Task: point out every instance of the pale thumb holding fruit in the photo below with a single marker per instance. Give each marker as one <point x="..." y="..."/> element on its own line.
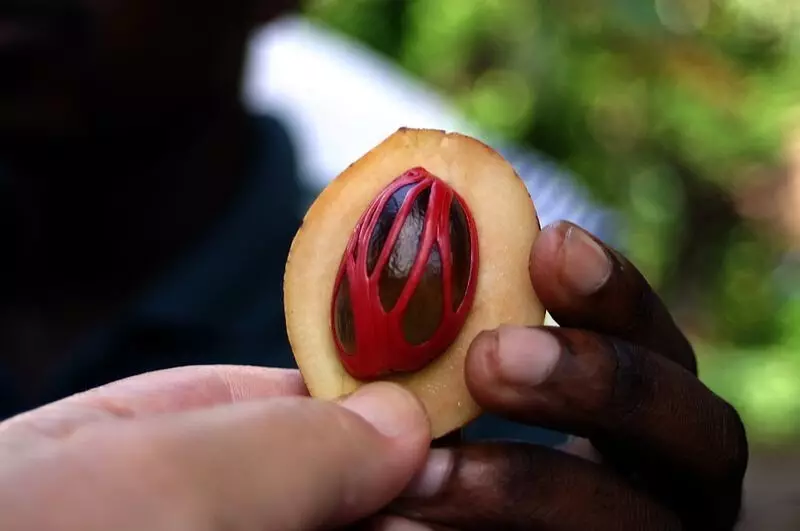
<point x="330" y="467"/>
<point x="279" y="463"/>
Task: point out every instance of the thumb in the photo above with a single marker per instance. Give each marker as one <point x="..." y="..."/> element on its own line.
<point x="288" y="463"/>
<point x="284" y="463"/>
<point x="302" y="464"/>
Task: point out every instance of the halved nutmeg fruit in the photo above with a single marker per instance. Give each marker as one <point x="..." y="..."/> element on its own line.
<point x="401" y="261"/>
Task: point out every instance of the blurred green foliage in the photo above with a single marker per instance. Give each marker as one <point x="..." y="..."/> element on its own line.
<point x="662" y="108"/>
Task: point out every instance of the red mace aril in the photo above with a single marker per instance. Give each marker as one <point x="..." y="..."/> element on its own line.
<point x="407" y="278"/>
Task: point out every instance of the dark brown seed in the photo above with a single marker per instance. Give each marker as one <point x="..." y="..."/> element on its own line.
<point x="344" y="321"/>
<point x="384" y="225"/>
<point x="460" y="252"/>
<point x="395" y="275"/>
<point x="426" y="306"/>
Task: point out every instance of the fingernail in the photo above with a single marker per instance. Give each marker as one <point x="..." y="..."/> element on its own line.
<point x="395" y="523"/>
<point x="526" y="356"/>
<point x="387" y="406"/>
<point x="431" y="480"/>
<point x="586" y="265"/>
<point x="580" y="447"/>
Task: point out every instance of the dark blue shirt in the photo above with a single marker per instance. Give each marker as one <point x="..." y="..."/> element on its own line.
<point x="221" y="303"/>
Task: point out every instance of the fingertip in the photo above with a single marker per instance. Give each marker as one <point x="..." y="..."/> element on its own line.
<point x="480" y="365"/>
<point x="546" y="250"/>
<point x="585" y="264"/>
<point x="509" y="359"/>
<point x="484" y="345"/>
<point x="392" y="410"/>
<point x="399" y="450"/>
<point x="432" y="479"/>
<point x="396" y="523"/>
<point x="568" y="265"/>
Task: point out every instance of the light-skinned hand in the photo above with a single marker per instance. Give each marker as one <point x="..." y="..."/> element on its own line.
<point x="208" y="449"/>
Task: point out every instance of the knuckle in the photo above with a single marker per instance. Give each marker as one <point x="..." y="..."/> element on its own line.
<point x="591" y="358"/>
<point x="646" y="320"/>
<point x="616" y="379"/>
<point x="632" y="382"/>
<point x="734" y="450"/>
<point x="633" y="300"/>
<point x="644" y="302"/>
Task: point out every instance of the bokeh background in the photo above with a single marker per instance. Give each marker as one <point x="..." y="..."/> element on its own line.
<point x="683" y="116"/>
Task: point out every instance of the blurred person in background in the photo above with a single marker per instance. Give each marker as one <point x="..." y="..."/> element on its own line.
<point x="147" y="217"/>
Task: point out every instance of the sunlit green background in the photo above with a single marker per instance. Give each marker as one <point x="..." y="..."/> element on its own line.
<point x="683" y="115"/>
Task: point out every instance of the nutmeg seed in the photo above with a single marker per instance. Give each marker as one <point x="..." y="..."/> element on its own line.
<point x="407" y="278"/>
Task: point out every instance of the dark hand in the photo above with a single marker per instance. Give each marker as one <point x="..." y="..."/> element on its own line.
<point x="620" y="373"/>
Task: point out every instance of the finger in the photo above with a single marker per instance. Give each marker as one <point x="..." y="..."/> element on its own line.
<point x="642" y="411"/>
<point x="519" y="486"/>
<point x="187" y="388"/>
<point x="580" y="447"/>
<point x="585" y="284"/>
<point x="170" y="390"/>
<point x="397" y="523"/>
<point x="287" y="463"/>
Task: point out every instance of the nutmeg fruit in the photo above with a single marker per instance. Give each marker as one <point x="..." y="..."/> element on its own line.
<point x="401" y="261"/>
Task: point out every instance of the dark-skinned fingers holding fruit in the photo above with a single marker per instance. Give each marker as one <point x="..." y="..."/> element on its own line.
<point x="619" y="373"/>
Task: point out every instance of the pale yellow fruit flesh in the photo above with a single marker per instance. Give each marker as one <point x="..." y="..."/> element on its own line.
<point x="507" y="226"/>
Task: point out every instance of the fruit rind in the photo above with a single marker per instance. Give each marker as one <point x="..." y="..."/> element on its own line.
<point x="507" y="226"/>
